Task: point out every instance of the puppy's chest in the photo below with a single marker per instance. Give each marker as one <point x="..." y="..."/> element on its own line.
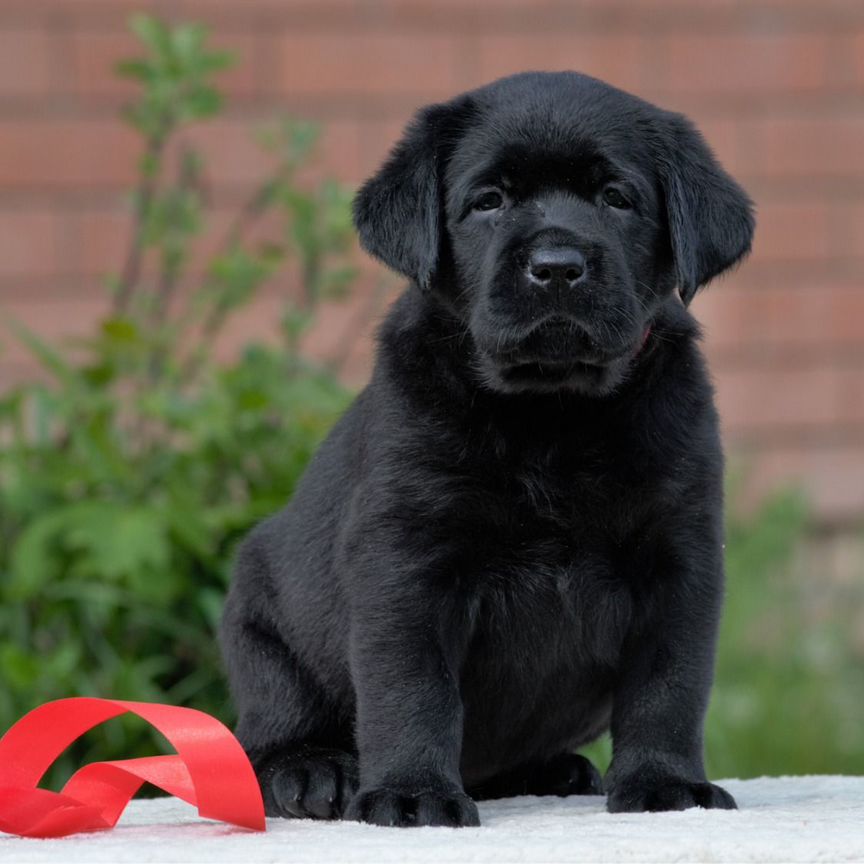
<point x="546" y="625"/>
<point x="556" y="551"/>
<point x="571" y="496"/>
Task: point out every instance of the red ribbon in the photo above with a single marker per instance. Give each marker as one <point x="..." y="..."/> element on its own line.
<point x="210" y="769"/>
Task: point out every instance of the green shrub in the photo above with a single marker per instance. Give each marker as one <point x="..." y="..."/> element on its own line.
<point x="127" y="478"/>
<point x="789" y="696"/>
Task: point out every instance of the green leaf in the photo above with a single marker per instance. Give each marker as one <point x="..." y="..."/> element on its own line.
<point x="19" y="668"/>
<point x="187" y="40"/>
<point x="139" y="70"/>
<point x="121" y="330"/>
<point x="152" y="32"/>
<point x="216" y="61"/>
<point x="336" y="283"/>
<point x="202" y="102"/>
<point x="117" y="542"/>
<point x="295" y="322"/>
<point x="149" y="164"/>
<point x="33" y="559"/>
<point x="236" y="275"/>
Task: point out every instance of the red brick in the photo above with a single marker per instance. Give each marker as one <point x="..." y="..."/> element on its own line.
<point x="95" y="54"/>
<point x="826" y="315"/>
<point x="370" y="63"/>
<point x="855" y="47"/>
<point x="52" y="153"/>
<point x="234" y="157"/>
<point x="793" y="231"/>
<point x="49" y="153"/>
<point x="378" y="138"/>
<point x="747" y="6"/>
<point x="844" y="314"/>
<point x="71" y="5"/>
<point x="241" y="78"/>
<point x="830" y="476"/>
<point x="338" y="153"/>
<point x="27" y="242"/>
<point x="98" y="14"/>
<point x="752" y="398"/>
<point x="850" y="230"/>
<point x="267" y="7"/>
<point x="803" y="146"/>
<point x="743" y="62"/>
<point x="103" y="238"/>
<point x="25" y="62"/>
<point x="852" y="394"/>
<point x="618" y="59"/>
<point x="231" y="154"/>
<point x="105" y="153"/>
<point x="722" y="136"/>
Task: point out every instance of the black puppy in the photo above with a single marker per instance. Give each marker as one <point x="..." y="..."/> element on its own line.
<point x="513" y="540"/>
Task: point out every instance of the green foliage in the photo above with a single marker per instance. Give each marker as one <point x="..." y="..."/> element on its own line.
<point x="789" y="697"/>
<point x="127" y="479"/>
<point x="175" y="77"/>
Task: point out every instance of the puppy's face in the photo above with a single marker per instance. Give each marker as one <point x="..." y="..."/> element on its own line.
<point x="556" y="234"/>
<point x="554" y="215"/>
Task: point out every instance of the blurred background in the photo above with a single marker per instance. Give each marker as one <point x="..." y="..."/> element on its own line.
<point x="184" y="312"/>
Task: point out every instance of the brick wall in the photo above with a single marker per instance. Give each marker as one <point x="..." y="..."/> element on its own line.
<point x="777" y="86"/>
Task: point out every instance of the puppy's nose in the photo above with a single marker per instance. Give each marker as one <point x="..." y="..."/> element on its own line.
<point x="558" y="264"/>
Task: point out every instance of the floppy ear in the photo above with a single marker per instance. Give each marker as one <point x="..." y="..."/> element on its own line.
<point x="710" y="216"/>
<point x="398" y="212"/>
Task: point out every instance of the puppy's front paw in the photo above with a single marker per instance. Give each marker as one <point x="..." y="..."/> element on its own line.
<point x="389" y="806"/>
<point x="638" y="795"/>
<point x="311" y="783"/>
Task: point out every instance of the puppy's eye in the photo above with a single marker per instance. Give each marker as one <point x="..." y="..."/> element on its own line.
<point x="491" y="200"/>
<point x="614" y="198"/>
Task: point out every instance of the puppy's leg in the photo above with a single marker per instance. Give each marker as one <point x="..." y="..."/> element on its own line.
<point x="299" y="744"/>
<point x="405" y="650"/>
<point x="666" y="673"/>
<point x="562" y="775"/>
<point x="303" y="763"/>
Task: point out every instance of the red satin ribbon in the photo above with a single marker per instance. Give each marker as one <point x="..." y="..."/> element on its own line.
<point x="210" y="769"/>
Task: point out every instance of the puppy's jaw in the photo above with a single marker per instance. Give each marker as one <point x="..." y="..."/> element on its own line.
<point x="554" y="355"/>
<point x="553" y="375"/>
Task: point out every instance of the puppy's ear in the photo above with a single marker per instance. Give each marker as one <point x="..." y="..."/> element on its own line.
<point x="710" y="216"/>
<point x="399" y="211"/>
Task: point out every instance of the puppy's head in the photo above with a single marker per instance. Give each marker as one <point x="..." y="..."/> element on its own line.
<point x="554" y="215"/>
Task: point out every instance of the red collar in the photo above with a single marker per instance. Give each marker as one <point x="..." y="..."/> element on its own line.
<point x="645" y="338"/>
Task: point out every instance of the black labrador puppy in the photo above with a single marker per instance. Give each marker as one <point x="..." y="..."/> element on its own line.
<point x="513" y="539"/>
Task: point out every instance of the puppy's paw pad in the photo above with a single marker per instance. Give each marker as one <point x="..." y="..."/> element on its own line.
<point x="384" y="806"/>
<point x="670" y="794"/>
<point x="310" y="784"/>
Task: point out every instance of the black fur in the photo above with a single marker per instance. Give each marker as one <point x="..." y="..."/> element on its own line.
<point x="512" y="541"/>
